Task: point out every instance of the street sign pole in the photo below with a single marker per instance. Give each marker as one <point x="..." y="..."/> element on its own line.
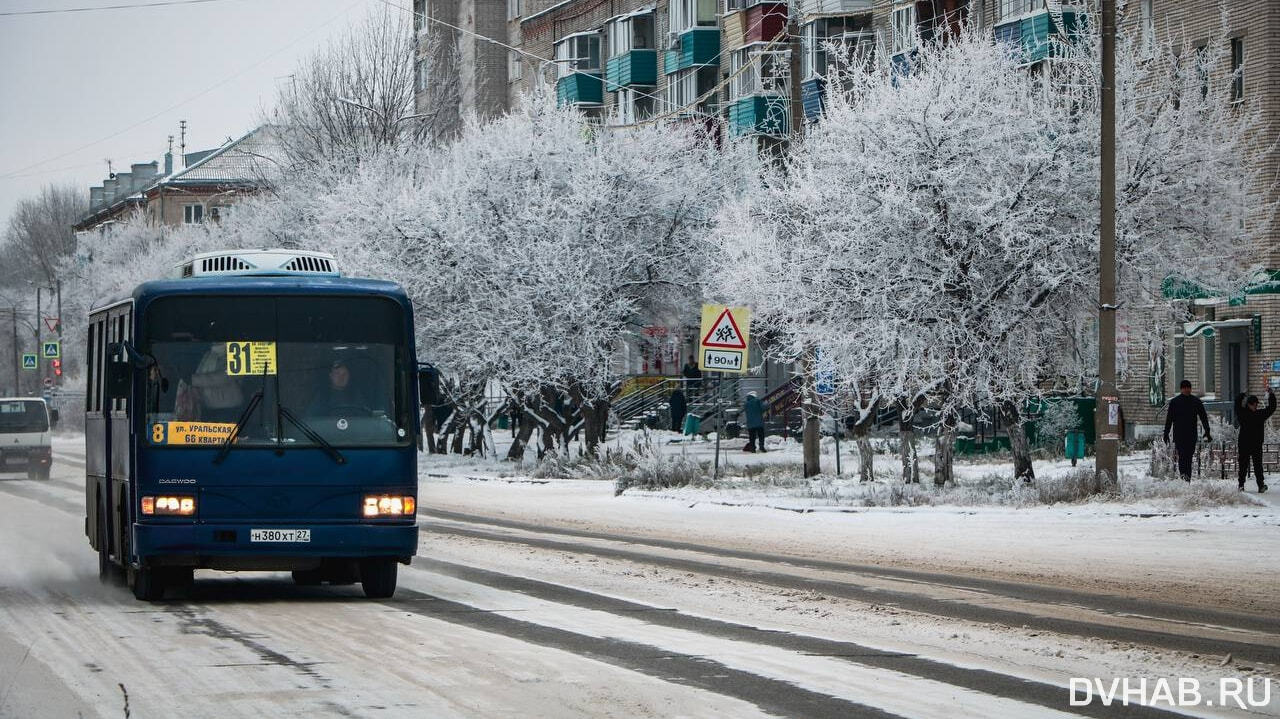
<point x="715" y="472"/>
<point x="724" y="347"/>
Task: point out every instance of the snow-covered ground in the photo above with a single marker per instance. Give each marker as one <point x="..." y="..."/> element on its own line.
<point x="1221" y="556"/>
<point x="555" y="597"/>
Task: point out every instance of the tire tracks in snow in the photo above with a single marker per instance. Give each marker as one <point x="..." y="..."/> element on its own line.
<point x="993" y="602"/>
<point x="982" y="681"/>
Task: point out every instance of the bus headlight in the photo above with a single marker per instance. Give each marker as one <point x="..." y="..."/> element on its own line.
<point x="387" y="505"/>
<point x="180" y="506"/>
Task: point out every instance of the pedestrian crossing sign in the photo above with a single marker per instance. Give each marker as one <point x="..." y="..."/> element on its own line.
<point x="725" y="337"/>
<point x="52" y="350"/>
<point x="28" y="361"/>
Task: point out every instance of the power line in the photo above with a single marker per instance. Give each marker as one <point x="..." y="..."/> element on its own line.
<point x="106" y="7"/>
<point x="19" y="172"/>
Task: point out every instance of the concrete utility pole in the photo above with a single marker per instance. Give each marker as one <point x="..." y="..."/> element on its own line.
<point x="1107" y="411"/>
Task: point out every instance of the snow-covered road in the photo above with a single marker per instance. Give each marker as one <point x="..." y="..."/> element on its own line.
<point x="518" y="606"/>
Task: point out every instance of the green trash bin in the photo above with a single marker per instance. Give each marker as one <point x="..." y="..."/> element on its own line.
<point x="691" y="424"/>
<point x="504" y="422"/>
<point x="1074" y="445"/>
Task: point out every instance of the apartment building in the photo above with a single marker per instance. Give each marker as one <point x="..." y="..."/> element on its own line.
<point x="727" y="62"/>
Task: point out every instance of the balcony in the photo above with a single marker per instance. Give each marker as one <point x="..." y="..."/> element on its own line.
<point x="835" y="7"/>
<point x="813" y="95"/>
<point x="1034" y="33"/>
<point x="638" y="67"/>
<point x="698" y="46"/>
<point x="761" y="22"/>
<point x="580" y="89"/>
<point x="759" y="115"/>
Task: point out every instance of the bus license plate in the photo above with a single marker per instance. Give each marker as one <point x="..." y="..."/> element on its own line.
<point x="279" y="535"/>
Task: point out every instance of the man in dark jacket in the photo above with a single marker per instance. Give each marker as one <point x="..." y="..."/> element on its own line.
<point x="1253" y="423"/>
<point x="692" y="376"/>
<point x="753" y="413"/>
<point x="679" y="407"/>
<point x="1184" y="410"/>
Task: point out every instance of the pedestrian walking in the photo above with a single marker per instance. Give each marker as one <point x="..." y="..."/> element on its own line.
<point x="1181" y="417"/>
<point x="679" y="407"/>
<point x="753" y="413"/>
<point x="1253" y="423"/>
<point x="692" y="376"/>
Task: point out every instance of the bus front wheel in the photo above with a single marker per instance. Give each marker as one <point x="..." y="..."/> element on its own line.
<point x="378" y="577"/>
<point x="147" y="583"/>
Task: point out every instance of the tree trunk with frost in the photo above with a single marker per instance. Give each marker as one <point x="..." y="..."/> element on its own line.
<point x="1018" y="444"/>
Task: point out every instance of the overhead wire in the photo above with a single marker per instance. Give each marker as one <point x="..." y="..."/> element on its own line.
<point x="129" y="6"/>
<point x="528" y="54"/>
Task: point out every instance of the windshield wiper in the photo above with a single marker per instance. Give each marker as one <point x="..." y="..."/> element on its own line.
<point x="254" y="401"/>
<point x="311" y="434"/>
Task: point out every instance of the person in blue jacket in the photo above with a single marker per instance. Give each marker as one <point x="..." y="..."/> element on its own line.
<point x="753" y="414"/>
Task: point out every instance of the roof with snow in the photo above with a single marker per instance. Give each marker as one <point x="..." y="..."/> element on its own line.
<point x="251" y="159"/>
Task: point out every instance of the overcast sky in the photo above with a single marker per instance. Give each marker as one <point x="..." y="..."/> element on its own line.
<point x="70" y="80"/>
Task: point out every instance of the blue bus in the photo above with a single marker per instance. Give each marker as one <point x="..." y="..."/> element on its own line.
<point x="257" y="412"/>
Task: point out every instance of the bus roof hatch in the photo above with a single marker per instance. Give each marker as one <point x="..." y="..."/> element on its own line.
<point x="259" y="263"/>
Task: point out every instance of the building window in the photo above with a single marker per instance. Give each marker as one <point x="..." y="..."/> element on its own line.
<point x="420" y="75"/>
<point x="419" y="14"/>
<point x="1010" y="9"/>
<point x="1209" y="363"/>
<point x="904" y="28"/>
<point x="513" y="9"/>
<point x="1202" y="70"/>
<point x="1148" y="30"/>
<point x="192" y="214"/>
<point x="634" y="104"/>
<point x="631" y="32"/>
<point x="686" y="86"/>
<point x="515" y="66"/>
<point x="756" y="73"/>
<point x="578" y="53"/>
<point x="220" y="214"/>
<point x="1179" y="359"/>
<point x="850" y="33"/>
<point x="1237" y="69"/>
<point x="685" y="15"/>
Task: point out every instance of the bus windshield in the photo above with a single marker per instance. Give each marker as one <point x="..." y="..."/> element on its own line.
<point x="23" y="416"/>
<point x="334" y="363"/>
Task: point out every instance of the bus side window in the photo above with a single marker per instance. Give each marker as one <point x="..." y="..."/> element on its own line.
<point x="120" y="405"/>
<point x="91" y="364"/>
<point x="102" y="364"/>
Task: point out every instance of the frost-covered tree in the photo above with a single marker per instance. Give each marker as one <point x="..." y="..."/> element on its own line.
<point x="936" y="233"/>
<point x="534" y="245"/>
<point x="108" y="265"/>
<point x="355" y="96"/>
<point x="39" y="236"/>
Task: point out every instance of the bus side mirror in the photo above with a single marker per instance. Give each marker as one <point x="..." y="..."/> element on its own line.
<point x="119" y="376"/>
<point x="428" y="387"/>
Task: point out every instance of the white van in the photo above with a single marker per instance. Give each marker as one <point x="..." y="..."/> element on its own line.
<point x="25" y="437"/>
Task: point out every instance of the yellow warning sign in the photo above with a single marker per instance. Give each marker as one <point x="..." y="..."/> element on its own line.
<point x="251" y="358"/>
<point x="725" y="338"/>
<point x="190" y="433"/>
